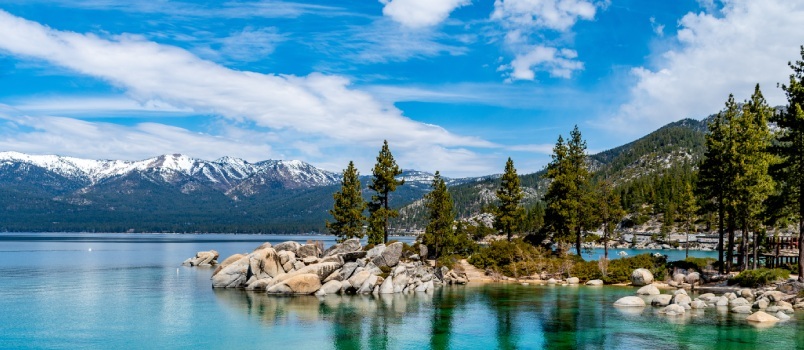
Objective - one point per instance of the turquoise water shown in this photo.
(130, 292)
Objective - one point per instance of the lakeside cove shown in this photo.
(174, 306)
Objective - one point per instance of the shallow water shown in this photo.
(130, 292)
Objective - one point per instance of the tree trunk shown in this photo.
(605, 243)
(720, 237)
(578, 241)
(687, 250)
(801, 233)
(730, 248)
(754, 264)
(385, 228)
(744, 247)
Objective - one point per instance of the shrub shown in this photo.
(448, 260)
(759, 277)
(586, 270)
(619, 270)
(691, 263)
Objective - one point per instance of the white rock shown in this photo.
(630, 302)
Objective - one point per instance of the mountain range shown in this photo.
(176, 193)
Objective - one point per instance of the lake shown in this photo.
(129, 291)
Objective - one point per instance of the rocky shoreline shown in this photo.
(344, 268)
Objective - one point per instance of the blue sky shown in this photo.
(454, 85)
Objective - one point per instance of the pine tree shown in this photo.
(753, 183)
(439, 236)
(384, 182)
(688, 211)
(559, 214)
(610, 212)
(509, 213)
(347, 211)
(790, 149)
(716, 176)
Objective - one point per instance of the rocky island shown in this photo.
(344, 268)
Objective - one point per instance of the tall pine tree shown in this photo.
(383, 183)
(347, 211)
(439, 235)
(509, 213)
(688, 211)
(716, 176)
(790, 149)
(559, 214)
(753, 183)
(610, 213)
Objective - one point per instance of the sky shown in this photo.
(453, 85)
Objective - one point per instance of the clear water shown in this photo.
(130, 292)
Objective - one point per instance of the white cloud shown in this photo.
(96, 105)
(749, 43)
(420, 13)
(559, 63)
(321, 108)
(523, 18)
(251, 44)
(79, 138)
(657, 27)
(558, 15)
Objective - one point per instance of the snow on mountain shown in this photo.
(225, 172)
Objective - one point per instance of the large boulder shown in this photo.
(322, 270)
(387, 286)
(673, 310)
(390, 256)
(775, 295)
(629, 302)
(761, 317)
(290, 246)
(359, 277)
(641, 277)
(681, 299)
(308, 250)
(207, 258)
(307, 283)
(227, 262)
(594, 283)
(347, 246)
(744, 309)
(233, 275)
(375, 252)
(648, 290)
(331, 287)
(698, 304)
(693, 278)
(661, 300)
(265, 263)
(738, 302)
(573, 280)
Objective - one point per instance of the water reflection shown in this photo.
(501, 317)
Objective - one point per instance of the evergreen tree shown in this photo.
(439, 236)
(716, 175)
(688, 211)
(610, 212)
(347, 211)
(753, 183)
(790, 149)
(559, 214)
(579, 173)
(509, 214)
(383, 183)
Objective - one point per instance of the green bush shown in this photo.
(619, 270)
(759, 277)
(586, 270)
(690, 263)
(448, 260)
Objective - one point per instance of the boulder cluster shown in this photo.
(761, 305)
(293, 268)
(208, 258)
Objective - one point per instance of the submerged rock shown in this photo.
(761, 317)
(648, 290)
(630, 302)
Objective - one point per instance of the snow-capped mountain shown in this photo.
(226, 174)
